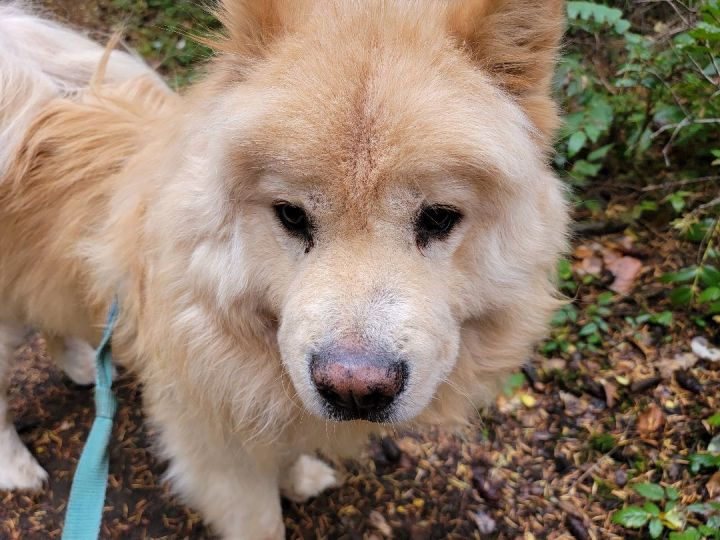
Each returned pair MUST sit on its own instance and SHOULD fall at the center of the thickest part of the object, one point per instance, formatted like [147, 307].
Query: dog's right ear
[251, 26]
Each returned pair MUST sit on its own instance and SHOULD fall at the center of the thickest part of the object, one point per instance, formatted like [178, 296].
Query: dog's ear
[251, 26]
[516, 42]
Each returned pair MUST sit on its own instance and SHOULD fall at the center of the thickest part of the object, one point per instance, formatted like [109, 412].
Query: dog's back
[70, 115]
[40, 60]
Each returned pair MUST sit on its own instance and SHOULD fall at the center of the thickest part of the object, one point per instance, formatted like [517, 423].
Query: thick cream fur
[360, 112]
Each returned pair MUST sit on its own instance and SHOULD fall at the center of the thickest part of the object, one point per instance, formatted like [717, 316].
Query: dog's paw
[18, 467]
[307, 478]
[78, 362]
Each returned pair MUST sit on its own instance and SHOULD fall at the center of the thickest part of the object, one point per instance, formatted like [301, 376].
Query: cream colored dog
[350, 222]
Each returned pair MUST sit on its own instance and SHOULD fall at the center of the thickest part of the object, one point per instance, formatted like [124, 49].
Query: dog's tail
[41, 60]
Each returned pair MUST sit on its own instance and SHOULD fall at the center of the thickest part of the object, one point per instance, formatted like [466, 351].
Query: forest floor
[615, 398]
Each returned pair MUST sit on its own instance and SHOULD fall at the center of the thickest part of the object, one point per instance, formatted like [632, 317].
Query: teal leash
[87, 495]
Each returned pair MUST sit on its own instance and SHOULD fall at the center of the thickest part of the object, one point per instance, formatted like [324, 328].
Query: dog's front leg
[237, 494]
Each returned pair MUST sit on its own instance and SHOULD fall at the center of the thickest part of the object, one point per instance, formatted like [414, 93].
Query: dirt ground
[553, 459]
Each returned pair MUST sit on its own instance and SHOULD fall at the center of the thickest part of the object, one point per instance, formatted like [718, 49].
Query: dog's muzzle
[357, 384]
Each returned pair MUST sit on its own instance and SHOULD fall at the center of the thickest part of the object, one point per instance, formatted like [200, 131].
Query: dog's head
[373, 176]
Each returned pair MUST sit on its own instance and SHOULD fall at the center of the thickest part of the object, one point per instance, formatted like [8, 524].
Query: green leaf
[575, 143]
[651, 508]
[655, 528]
[601, 152]
[690, 534]
[565, 269]
[677, 200]
[664, 319]
[588, 329]
[653, 492]
[603, 442]
[703, 461]
[583, 169]
[513, 383]
[681, 296]
[672, 493]
[686, 274]
[698, 508]
[632, 517]
[709, 295]
[714, 420]
[710, 276]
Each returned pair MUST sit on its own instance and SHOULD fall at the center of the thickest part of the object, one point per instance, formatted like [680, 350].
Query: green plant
[709, 459]
[698, 286]
[580, 329]
[644, 95]
[650, 514]
[164, 32]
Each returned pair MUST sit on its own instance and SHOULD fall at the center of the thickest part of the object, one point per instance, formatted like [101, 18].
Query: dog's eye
[435, 223]
[294, 219]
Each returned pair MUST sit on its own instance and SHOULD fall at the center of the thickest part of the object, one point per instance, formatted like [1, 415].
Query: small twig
[676, 130]
[612, 91]
[672, 5]
[702, 72]
[706, 253]
[708, 204]
[595, 465]
[679, 183]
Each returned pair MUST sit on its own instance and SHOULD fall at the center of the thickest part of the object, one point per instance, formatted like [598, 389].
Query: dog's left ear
[516, 42]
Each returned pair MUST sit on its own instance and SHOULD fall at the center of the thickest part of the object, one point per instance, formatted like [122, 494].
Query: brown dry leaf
[610, 255]
[583, 252]
[591, 265]
[669, 366]
[650, 420]
[573, 406]
[611, 392]
[554, 364]
[626, 270]
[377, 520]
[713, 485]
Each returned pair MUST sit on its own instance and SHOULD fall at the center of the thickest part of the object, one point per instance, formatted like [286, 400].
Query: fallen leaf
[626, 270]
[681, 361]
[714, 445]
[378, 521]
[554, 364]
[573, 405]
[650, 420]
[689, 382]
[713, 485]
[622, 379]
[484, 523]
[701, 347]
[528, 400]
[611, 393]
[583, 252]
[591, 265]
[610, 255]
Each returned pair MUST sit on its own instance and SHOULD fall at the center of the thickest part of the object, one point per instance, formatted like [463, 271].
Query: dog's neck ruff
[87, 495]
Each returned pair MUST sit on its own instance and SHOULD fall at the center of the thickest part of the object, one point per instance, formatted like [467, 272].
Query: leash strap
[87, 495]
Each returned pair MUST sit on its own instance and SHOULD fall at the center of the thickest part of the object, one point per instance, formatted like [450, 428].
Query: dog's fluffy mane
[72, 189]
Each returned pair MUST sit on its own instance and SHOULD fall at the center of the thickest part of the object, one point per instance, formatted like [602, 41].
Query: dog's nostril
[357, 384]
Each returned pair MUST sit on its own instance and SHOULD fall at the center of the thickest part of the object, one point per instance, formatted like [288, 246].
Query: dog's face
[385, 192]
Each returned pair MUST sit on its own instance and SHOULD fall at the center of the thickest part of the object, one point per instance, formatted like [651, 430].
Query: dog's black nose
[357, 384]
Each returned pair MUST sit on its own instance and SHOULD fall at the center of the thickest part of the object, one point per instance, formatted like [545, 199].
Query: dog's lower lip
[342, 415]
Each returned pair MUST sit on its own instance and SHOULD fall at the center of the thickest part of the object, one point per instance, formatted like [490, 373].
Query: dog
[350, 222]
